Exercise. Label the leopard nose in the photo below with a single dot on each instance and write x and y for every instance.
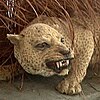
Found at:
(65, 53)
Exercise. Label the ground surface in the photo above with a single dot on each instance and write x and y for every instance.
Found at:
(40, 88)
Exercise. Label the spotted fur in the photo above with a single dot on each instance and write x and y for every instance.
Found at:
(51, 30)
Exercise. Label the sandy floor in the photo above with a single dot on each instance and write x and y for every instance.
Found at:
(40, 88)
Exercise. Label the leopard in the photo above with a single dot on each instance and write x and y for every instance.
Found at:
(44, 47)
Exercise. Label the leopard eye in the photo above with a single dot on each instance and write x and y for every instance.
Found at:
(42, 46)
(63, 40)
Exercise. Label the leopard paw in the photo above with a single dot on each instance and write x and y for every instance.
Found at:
(69, 87)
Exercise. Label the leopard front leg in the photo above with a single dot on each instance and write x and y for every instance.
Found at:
(84, 46)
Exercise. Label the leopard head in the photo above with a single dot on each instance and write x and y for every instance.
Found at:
(40, 49)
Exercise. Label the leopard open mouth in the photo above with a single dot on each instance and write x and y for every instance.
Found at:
(59, 65)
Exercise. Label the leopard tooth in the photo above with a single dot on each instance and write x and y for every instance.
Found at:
(60, 63)
(58, 66)
(67, 61)
(63, 63)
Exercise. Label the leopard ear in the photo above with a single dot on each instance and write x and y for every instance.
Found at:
(14, 39)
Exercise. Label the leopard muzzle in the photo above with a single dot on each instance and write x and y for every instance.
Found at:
(58, 65)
